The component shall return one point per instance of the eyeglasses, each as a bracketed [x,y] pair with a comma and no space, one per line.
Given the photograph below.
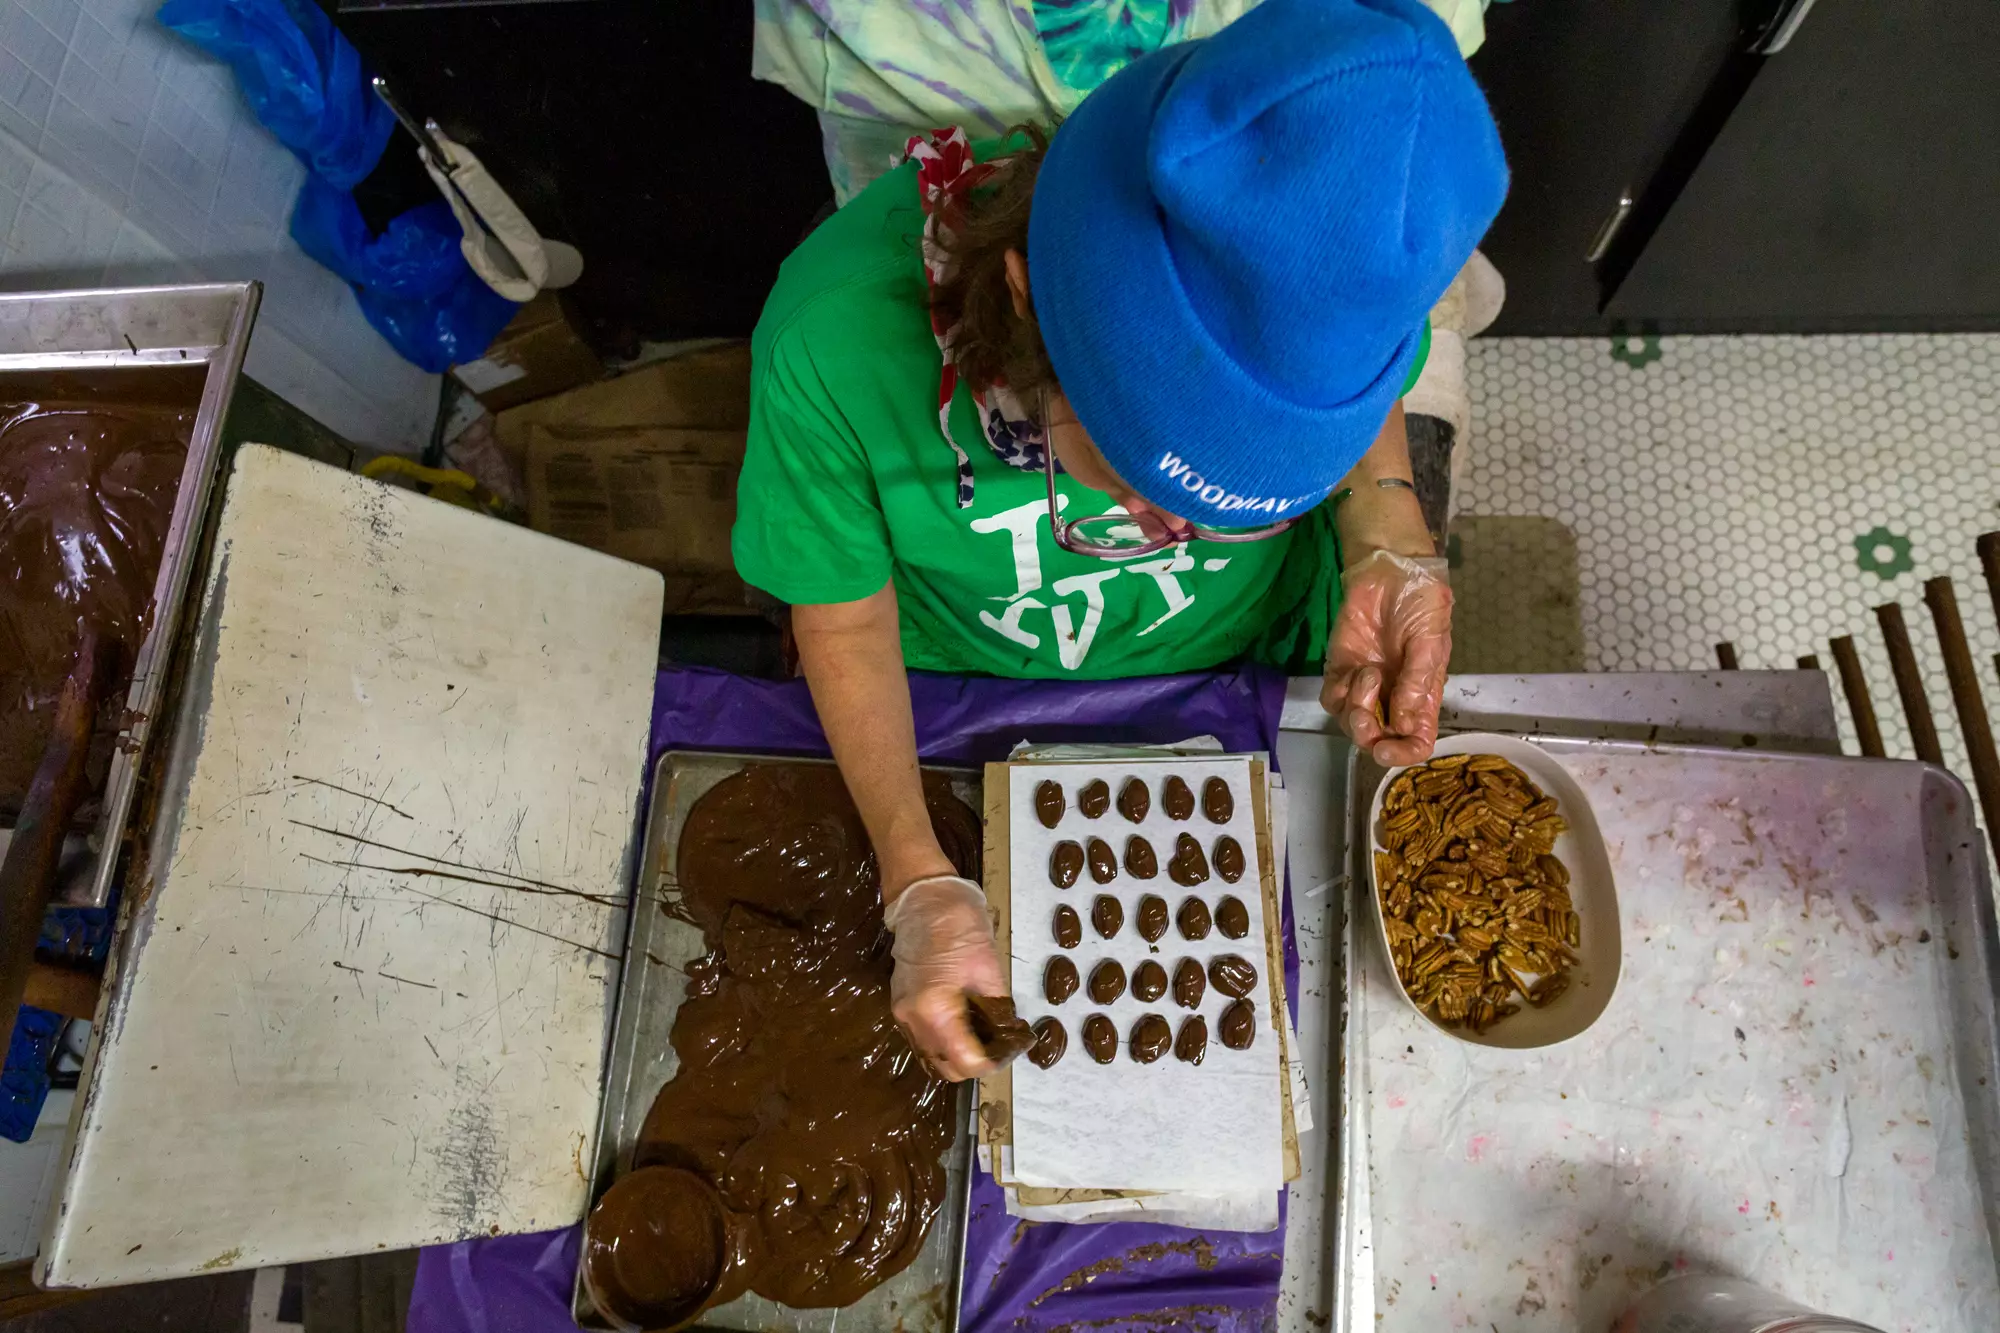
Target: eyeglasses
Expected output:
[1124,536]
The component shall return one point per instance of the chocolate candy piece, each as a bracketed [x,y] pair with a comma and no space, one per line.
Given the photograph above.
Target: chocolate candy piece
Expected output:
[1189,867]
[1100,1038]
[1107,982]
[1107,914]
[1049,803]
[1238,1027]
[1140,862]
[1059,979]
[1190,984]
[1051,1042]
[1134,800]
[1152,917]
[1103,861]
[1229,861]
[1231,975]
[1177,798]
[1065,864]
[1150,1038]
[1094,799]
[1216,802]
[1149,981]
[1192,1044]
[1193,919]
[1069,928]
[1232,918]
[1003,1033]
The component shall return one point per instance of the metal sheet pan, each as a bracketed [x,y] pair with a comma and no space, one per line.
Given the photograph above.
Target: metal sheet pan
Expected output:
[1946,864]
[126,329]
[923,1298]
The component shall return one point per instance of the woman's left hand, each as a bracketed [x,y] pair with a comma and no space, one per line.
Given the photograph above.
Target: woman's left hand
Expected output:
[1385,663]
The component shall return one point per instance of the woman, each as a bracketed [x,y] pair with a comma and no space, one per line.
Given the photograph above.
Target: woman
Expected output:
[1122,404]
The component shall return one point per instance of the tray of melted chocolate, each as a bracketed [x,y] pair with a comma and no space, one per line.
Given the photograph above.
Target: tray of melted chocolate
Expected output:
[754,1050]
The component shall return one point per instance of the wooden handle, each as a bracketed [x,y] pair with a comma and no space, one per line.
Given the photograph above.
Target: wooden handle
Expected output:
[28,873]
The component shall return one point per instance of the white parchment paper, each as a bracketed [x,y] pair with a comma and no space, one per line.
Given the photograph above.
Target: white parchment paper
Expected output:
[1215,1127]
[1771,1093]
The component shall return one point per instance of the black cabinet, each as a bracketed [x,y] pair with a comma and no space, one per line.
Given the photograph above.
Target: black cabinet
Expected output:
[1848,181]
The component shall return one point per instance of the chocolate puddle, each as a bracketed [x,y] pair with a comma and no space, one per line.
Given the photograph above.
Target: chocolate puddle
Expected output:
[797,1096]
[87,489]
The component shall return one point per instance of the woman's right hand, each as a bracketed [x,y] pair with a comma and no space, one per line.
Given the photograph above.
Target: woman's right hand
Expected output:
[944,948]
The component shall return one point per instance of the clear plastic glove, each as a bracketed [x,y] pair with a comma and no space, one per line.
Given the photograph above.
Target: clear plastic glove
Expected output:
[944,948]
[1386,659]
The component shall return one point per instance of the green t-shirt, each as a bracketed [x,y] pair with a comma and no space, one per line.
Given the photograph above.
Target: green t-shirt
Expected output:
[848,483]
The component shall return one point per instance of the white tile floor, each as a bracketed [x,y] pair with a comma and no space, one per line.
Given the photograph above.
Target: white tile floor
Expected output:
[1753,489]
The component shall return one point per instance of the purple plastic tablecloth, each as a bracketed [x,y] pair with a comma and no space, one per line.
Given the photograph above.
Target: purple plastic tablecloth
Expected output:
[1114,1276]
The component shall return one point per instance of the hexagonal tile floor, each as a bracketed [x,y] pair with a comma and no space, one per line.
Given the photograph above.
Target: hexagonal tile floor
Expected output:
[1768,491]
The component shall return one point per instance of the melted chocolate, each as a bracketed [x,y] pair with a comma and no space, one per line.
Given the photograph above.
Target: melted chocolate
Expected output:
[1000,1031]
[1094,799]
[1107,914]
[87,490]
[1152,917]
[1149,981]
[1103,861]
[1189,867]
[1140,863]
[1177,798]
[1150,1038]
[1192,1044]
[1051,1044]
[1229,862]
[1232,918]
[656,1247]
[1216,801]
[1134,800]
[1193,919]
[1190,984]
[797,1095]
[1107,982]
[1100,1038]
[1065,864]
[1239,1026]
[1049,803]
[1232,975]
[1068,927]
[1059,979]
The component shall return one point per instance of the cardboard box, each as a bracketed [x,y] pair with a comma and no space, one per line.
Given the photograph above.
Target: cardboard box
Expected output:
[539,353]
[644,467]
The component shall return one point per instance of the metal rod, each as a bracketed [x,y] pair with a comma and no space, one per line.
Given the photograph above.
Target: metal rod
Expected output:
[1855,686]
[1971,705]
[28,873]
[1809,663]
[1725,656]
[1909,683]
[1989,560]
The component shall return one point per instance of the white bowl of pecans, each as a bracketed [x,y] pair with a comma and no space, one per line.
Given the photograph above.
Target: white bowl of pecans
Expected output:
[1493,894]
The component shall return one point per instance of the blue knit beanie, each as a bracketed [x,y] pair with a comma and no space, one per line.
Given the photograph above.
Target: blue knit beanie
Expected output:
[1234,244]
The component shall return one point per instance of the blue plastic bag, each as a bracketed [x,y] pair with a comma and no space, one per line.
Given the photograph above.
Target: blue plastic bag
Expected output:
[303,79]
[413,283]
[307,85]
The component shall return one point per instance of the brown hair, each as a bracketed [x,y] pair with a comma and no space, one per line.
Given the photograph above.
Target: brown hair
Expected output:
[994,345]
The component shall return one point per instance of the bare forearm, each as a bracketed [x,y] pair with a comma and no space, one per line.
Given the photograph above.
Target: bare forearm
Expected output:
[853,658]
[1382,518]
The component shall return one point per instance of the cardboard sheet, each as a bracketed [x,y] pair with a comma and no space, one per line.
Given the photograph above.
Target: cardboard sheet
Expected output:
[1167,1125]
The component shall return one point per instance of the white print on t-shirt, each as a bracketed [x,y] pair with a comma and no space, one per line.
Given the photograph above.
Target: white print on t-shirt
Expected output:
[1023,526]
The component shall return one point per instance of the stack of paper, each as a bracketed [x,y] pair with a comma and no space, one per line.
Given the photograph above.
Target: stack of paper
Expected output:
[1201,1144]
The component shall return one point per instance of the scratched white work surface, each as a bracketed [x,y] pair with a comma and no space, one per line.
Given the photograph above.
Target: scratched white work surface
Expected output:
[1779,1088]
[363,987]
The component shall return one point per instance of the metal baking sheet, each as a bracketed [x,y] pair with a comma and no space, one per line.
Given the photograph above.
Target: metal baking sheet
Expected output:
[133,329]
[1882,860]
[923,1298]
